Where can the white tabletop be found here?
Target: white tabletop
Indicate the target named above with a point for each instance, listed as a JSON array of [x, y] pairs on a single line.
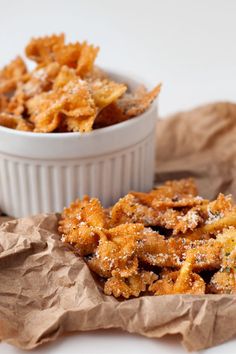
[[115, 342], [188, 45]]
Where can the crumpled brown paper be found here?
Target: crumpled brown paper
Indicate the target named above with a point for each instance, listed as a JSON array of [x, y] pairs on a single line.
[[46, 291], [202, 144]]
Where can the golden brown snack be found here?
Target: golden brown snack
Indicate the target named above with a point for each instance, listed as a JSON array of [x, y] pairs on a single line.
[[168, 241], [81, 223], [11, 75], [40, 80], [110, 115], [157, 251], [183, 281], [67, 54], [3, 102], [72, 102], [173, 206], [178, 283], [41, 50], [132, 286], [66, 92], [105, 92], [86, 59], [14, 122], [127, 210], [126, 107], [171, 191], [136, 103], [117, 255], [224, 281], [79, 56]]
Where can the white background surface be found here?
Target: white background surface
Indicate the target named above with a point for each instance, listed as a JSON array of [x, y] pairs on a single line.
[[188, 45]]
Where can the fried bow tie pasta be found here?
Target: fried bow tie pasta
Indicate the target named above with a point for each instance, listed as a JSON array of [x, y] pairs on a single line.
[[65, 92], [167, 241]]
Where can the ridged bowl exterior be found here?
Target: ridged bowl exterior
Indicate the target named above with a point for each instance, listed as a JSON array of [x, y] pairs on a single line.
[[31, 187]]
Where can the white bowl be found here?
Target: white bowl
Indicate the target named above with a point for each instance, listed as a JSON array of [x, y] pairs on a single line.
[[45, 172]]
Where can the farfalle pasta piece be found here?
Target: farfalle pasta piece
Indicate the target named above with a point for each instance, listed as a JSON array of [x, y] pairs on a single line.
[[157, 251], [116, 251], [128, 210], [110, 115], [40, 80], [80, 222], [79, 108], [86, 59], [80, 56], [126, 107], [128, 287], [41, 50], [105, 92], [135, 104], [14, 122], [64, 76], [68, 54], [45, 111], [204, 254], [175, 282], [214, 226], [174, 193], [188, 221], [184, 281], [4, 101], [224, 281], [72, 103], [88, 210], [11, 75], [133, 208]]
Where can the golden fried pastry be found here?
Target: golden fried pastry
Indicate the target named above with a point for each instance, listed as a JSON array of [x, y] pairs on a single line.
[[3, 102], [12, 75], [73, 103], [14, 122], [41, 50], [86, 59], [135, 104], [110, 115], [132, 286], [177, 282], [105, 92], [224, 281], [167, 241]]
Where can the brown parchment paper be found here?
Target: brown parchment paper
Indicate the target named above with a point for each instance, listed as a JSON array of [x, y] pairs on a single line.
[[46, 291]]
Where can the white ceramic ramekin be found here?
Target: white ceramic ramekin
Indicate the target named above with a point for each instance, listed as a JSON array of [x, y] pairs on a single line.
[[45, 172]]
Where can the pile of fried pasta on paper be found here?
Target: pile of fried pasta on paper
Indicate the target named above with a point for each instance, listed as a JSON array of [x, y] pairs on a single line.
[[168, 241]]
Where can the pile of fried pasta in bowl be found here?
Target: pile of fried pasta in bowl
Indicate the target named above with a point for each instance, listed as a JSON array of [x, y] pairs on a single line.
[[66, 91], [167, 241]]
